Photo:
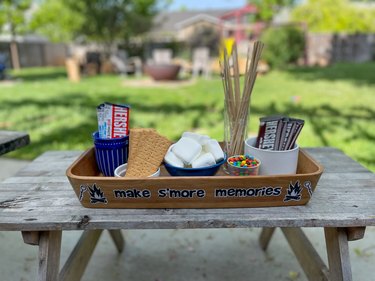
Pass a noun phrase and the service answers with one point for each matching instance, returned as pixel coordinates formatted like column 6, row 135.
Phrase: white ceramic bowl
column 273, row 162
column 121, row 170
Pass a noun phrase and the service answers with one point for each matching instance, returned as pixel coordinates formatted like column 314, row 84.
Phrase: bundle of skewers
column 237, row 101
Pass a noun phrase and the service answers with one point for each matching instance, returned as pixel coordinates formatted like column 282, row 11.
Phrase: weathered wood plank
column 12, row 140
column 355, row 233
column 338, row 254
column 31, row 237
column 49, row 255
column 169, row 222
column 76, row 263
column 308, row 258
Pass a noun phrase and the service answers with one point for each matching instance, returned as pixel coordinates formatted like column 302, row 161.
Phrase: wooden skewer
column 237, row 105
column 236, row 78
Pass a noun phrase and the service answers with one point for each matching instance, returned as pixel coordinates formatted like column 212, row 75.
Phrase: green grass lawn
column 337, row 103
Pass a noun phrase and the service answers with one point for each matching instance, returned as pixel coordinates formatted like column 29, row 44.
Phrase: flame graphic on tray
column 293, row 192
column 96, row 195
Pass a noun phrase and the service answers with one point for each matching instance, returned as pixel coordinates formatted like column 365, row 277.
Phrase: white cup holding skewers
column 273, row 162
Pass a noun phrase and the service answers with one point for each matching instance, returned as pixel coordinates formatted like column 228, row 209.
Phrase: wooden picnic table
column 40, row 203
column 11, row 140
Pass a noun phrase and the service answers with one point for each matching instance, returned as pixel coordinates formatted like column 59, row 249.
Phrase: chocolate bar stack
column 113, row 120
column 278, row 132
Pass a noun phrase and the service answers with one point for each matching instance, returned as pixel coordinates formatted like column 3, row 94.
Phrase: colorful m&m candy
column 243, row 165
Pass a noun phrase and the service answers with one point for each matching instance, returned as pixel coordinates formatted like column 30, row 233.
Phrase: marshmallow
column 204, row 160
column 173, row 160
column 197, row 137
column 187, row 150
column 213, row 147
column 204, row 139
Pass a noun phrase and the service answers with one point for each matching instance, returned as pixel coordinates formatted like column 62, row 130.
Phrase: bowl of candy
column 243, row 165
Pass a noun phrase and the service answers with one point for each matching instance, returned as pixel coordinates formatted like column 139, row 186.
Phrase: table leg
column 49, row 255
column 308, row 258
column 49, row 252
column 338, row 254
column 265, row 237
column 76, row 263
column 117, row 238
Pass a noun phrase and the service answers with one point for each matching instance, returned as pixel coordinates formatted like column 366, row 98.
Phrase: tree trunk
column 14, row 55
column 13, row 44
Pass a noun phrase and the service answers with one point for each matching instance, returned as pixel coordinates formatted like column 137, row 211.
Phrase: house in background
column 242, row 22
column 177, row 26
column 187, row 27
column 180, row 25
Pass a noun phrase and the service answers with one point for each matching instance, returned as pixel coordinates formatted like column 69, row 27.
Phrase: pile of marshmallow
column 193, row 150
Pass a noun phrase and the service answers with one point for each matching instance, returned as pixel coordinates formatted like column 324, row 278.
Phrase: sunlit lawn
column 337, row 103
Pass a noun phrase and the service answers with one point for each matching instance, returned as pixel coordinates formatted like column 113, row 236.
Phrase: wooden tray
column 219, row 191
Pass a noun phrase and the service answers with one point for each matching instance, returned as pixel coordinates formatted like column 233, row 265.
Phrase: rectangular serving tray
column 220, row 191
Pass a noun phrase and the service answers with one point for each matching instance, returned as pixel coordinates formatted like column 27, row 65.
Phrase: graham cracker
column 135, row 137
column 147, row 154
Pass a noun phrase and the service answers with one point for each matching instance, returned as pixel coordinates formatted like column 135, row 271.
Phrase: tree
column 103, row 21
column 335, row 16
column 284, row 45
column 12, row 13
column 268, row 8
column 61, row 28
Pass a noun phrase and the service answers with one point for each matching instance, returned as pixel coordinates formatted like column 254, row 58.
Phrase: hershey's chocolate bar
column 299, row 125
column 113, row 120
column 278, row 132
column 268, row 132
column 284, row 132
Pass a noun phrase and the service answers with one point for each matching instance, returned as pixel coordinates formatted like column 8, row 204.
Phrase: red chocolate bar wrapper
column 117, row 118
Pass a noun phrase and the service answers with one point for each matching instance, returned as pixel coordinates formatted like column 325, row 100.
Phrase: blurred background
column 59, row 59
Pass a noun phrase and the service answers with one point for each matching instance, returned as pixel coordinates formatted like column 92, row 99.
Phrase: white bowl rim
column 117, row 173
column 296, row 147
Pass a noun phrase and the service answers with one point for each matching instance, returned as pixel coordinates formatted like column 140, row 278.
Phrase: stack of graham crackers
column 146, row 152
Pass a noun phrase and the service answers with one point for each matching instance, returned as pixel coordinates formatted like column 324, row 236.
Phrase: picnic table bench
column 40, row 203
column 11, row 140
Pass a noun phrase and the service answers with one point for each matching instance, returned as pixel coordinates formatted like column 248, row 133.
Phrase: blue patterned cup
column 110, row 153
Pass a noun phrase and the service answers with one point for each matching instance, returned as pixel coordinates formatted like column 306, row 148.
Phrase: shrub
column 335, row 16
column 283, row 45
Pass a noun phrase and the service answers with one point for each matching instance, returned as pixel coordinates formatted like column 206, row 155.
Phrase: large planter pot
column 162, row 71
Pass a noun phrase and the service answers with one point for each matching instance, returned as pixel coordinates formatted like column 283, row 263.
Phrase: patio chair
column 201, row 62
column 125, row 64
